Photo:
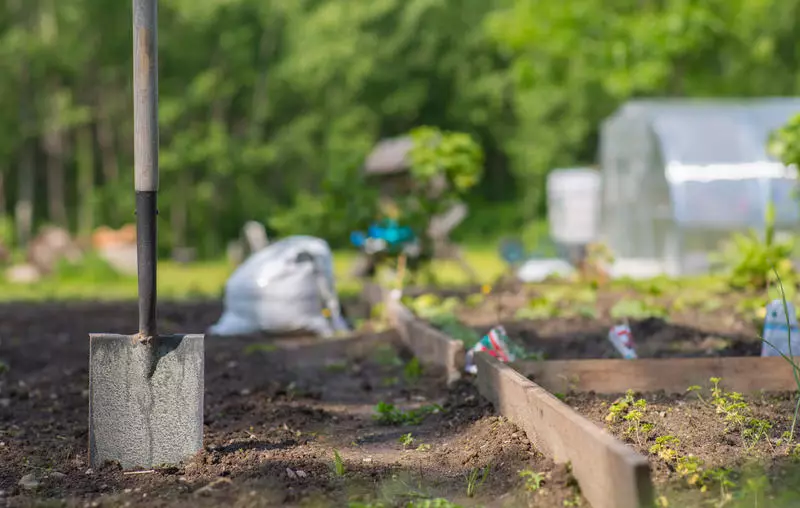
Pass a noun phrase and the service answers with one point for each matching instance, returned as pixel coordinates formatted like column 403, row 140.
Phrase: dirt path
column 276, row 413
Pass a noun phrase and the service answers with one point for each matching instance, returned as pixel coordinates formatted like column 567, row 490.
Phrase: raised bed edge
column 432, row 347
column 673, row 375
column 610, row 474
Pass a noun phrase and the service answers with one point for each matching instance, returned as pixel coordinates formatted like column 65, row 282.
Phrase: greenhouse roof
column 712, row 132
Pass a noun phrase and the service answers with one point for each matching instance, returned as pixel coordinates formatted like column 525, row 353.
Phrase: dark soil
column 718, row 440
column 273, row 420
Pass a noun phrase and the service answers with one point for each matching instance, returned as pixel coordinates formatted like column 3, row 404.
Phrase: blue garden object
column 512, row 251
column 387, row 232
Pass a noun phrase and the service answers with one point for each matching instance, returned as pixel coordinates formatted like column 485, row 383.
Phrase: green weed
column 637, row 309
column 338, row 464
column 475, row 479
column 413, row 369
column 388, row 414
column 406, row 440
column 257, row 347
column 533, row 480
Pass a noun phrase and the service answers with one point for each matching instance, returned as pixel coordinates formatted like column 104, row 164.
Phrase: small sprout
column 424, row 447
column 252, row 349
column 388, row 414
column 413, row 370
column 406, row 440
column 533, row 480
column 486, row 289
column 338, row 464
column 475, row 479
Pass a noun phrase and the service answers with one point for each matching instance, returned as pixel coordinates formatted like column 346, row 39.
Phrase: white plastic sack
column 284, row 287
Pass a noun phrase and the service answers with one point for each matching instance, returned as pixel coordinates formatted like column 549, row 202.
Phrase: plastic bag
column 286, row 287
column 777, row 336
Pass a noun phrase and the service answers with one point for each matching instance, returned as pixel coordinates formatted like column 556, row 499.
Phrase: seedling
column 255, row 348
column 336, row 367
column 4, row 367
column 433, row 503
column 413, row 369
column 475, row 479
column 406, row 440
column 386, row 356
column 664, row 448
column 388, row 414
column 533, row 480
column 338, row 464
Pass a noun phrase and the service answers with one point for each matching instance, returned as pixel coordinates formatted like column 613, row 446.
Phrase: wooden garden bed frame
column 609, row 472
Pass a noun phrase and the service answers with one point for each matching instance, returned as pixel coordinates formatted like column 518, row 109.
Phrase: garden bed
column 708, row 445
column 277, row 412
column 560, row 321
column 684, row 337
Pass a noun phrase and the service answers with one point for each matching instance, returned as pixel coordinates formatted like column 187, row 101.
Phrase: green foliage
column 475, row 479
column 637, row 309
column 455, row 156
column 413, row 369
column 406, row 440
column 257, row 347
column 784, row 143
column 338, row 464
column 388, row 414
column 533, row 480
column 748, row 260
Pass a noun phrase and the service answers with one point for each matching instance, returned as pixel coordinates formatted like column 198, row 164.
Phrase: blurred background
column 268, row 111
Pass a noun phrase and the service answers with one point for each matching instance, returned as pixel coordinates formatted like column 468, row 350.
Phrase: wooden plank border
column 609, row 473
column 432, row 347
column 746, row 374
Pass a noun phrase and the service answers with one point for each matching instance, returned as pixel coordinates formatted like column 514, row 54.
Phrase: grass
column 203, row 280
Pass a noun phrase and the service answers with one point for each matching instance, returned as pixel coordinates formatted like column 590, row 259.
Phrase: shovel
column 145, row 390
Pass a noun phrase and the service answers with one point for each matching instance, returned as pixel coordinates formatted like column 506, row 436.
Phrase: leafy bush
column 748, row 260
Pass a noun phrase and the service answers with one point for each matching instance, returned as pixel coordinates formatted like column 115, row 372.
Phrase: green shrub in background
column 784, row 143
column 748, row 261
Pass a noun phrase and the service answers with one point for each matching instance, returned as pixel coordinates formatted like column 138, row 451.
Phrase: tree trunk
column 85, row 162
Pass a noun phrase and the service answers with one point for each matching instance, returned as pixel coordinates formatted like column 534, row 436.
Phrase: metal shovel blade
column 145, row 399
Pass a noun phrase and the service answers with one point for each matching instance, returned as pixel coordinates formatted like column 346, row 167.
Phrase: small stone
column 245, row 392
column 128, row 491
column 57, row 475
column 90, row 471
column 2, row 494
column 291, row 474
column 301, row 473
column 368, row 459
column 29, row 482
column 4, row 403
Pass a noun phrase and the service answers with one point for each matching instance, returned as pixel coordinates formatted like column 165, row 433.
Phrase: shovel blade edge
column 145, row 400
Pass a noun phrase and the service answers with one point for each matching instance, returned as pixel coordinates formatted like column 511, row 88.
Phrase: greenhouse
column 679, row 176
